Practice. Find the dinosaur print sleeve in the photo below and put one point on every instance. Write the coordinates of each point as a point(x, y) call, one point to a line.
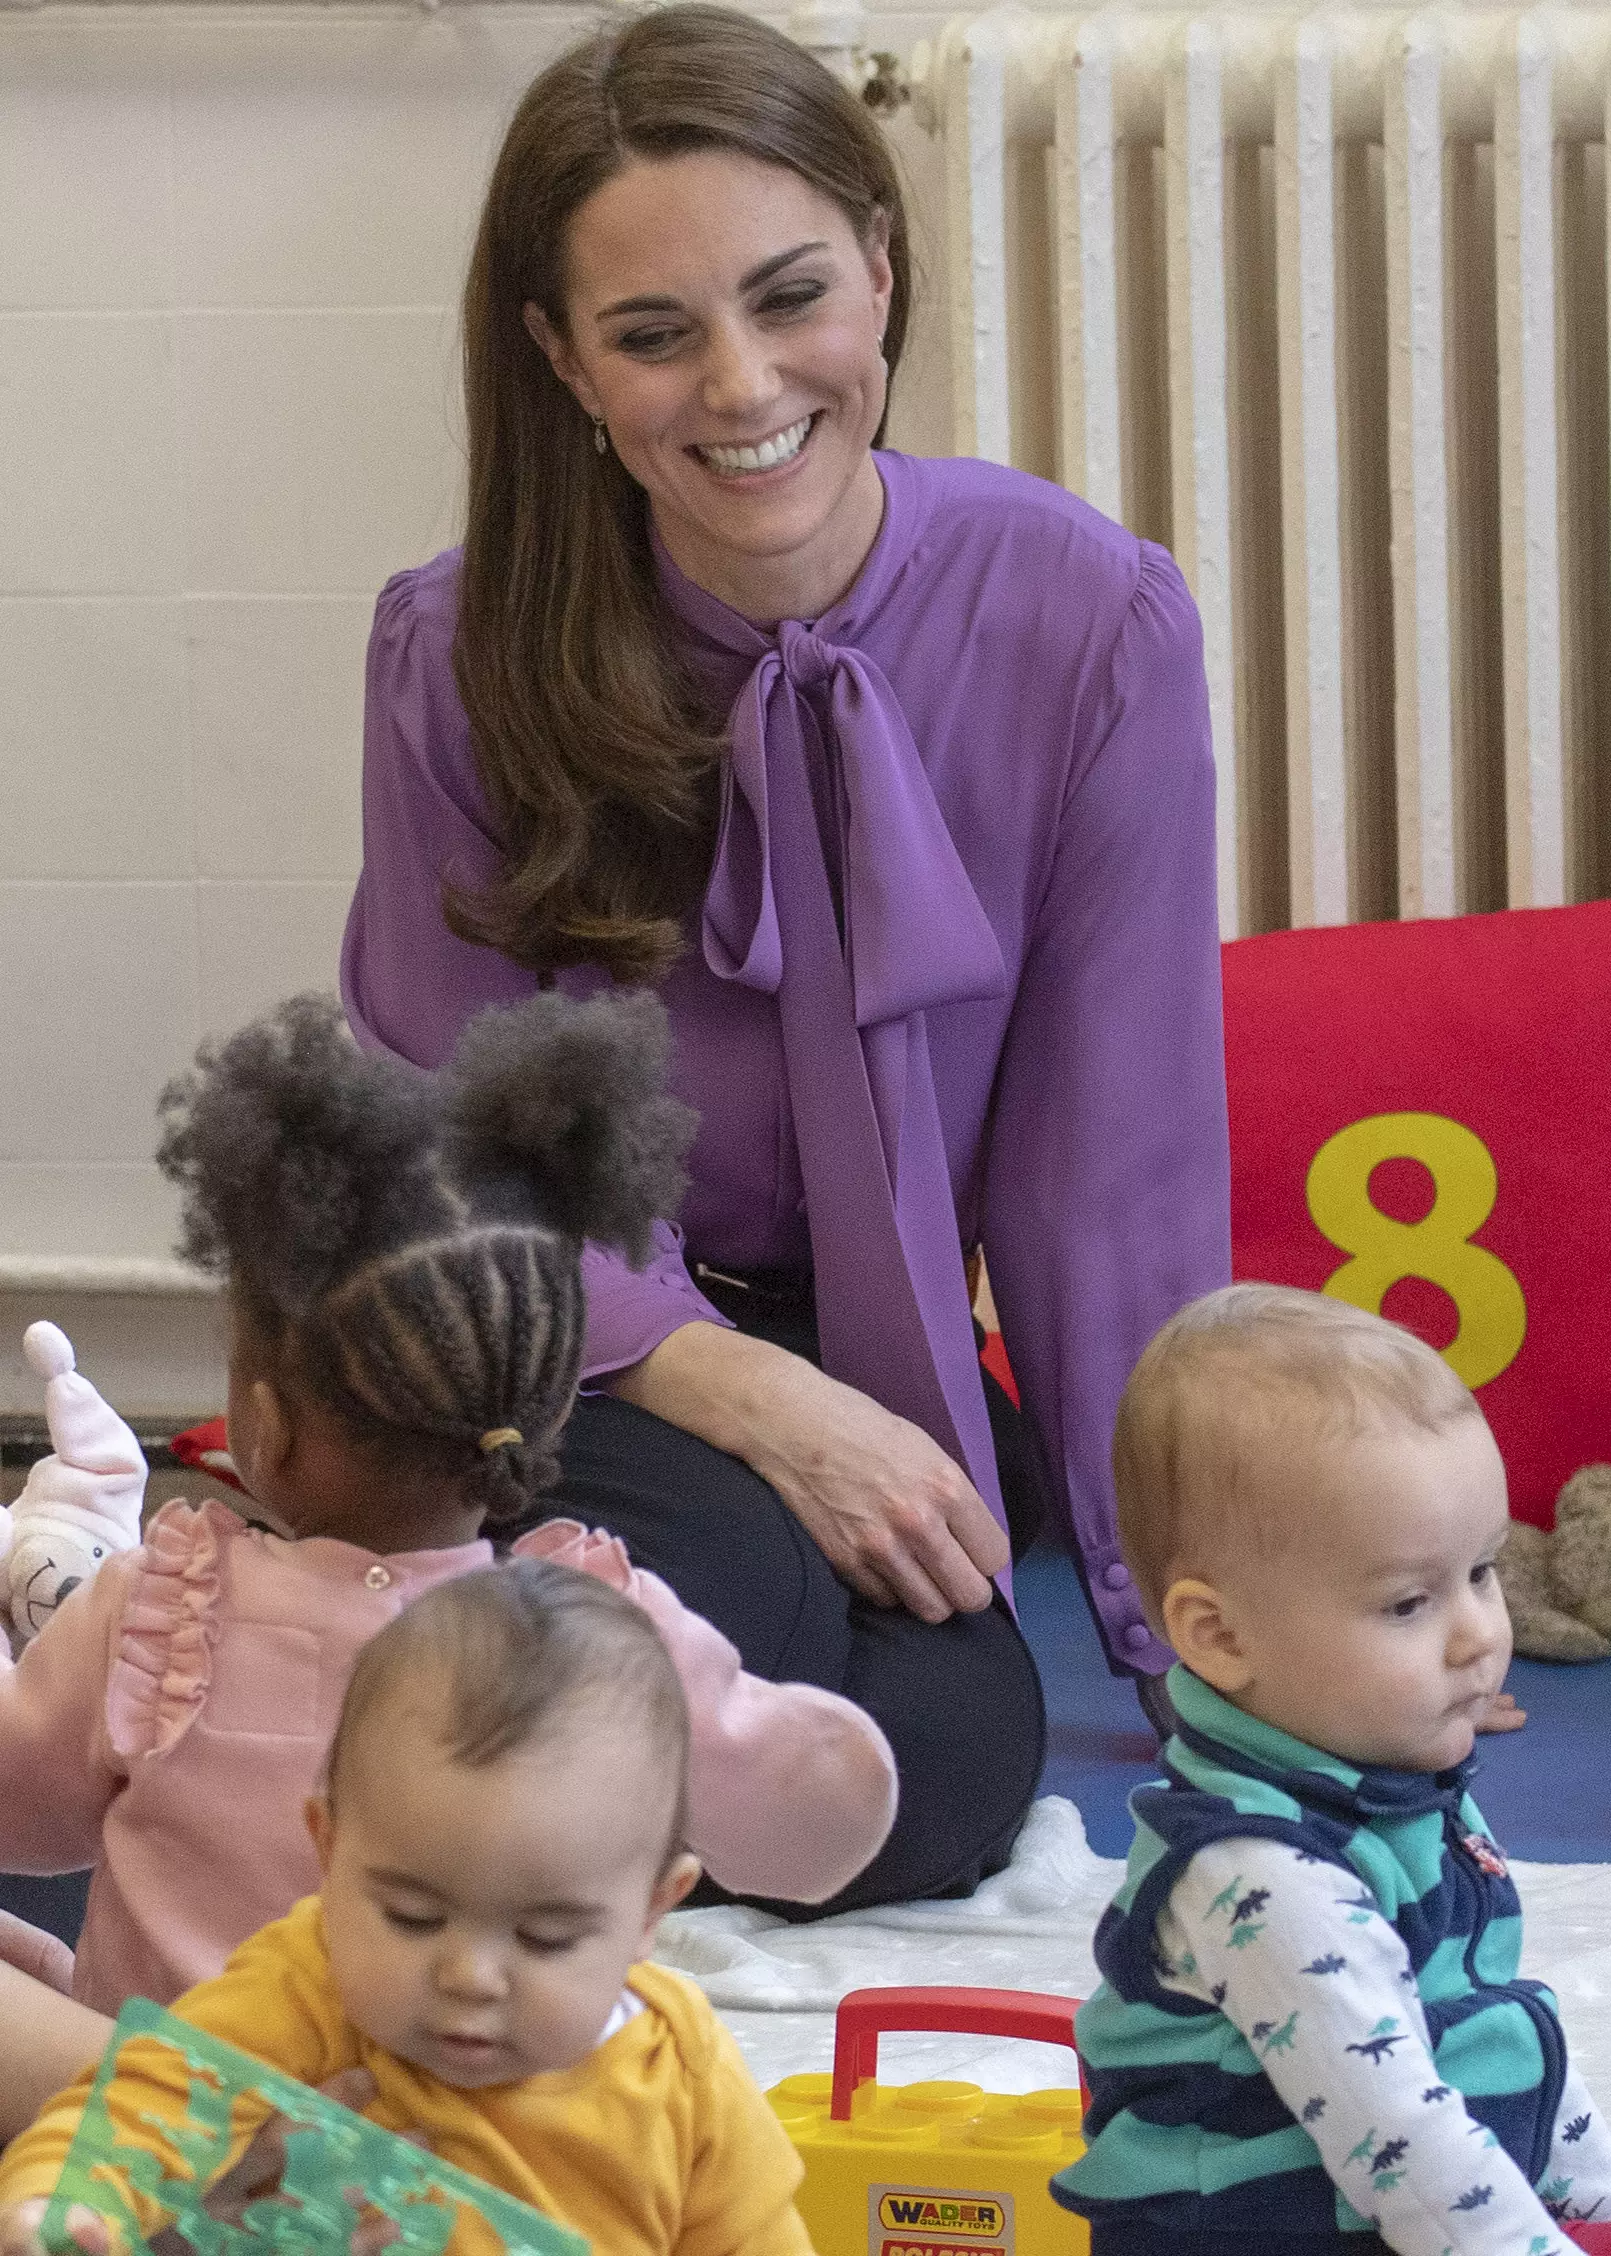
point(1297, 1956)
point(1577, 2180)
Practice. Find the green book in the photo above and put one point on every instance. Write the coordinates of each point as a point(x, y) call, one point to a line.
point(342, 2176)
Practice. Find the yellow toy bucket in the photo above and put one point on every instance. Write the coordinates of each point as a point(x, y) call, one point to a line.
point(935, 2169)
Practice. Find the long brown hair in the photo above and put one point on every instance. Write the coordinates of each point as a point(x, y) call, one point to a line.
point(597, 759)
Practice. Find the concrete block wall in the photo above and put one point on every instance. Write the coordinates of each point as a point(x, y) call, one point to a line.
point(231, 245)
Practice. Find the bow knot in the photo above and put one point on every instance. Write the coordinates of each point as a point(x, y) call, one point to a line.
point(807, 659)
point(915, 934)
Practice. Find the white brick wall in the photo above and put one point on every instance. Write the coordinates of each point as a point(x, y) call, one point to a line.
point(231, 245)
point(227, 270)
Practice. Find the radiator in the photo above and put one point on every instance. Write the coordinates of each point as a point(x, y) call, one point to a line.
point(1320, 302)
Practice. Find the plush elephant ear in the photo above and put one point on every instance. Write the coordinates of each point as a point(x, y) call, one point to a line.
point(1585, 1499)
point(289, 1145)
point(1581, 1553)
point(1543, 1626)
point(570, 1099)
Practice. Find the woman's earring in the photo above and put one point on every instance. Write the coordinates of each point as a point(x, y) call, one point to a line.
point(601, 437)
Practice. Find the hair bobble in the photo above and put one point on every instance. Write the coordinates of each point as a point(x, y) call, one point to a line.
point(501, 1437)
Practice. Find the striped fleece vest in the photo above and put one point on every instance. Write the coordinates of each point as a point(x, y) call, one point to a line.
point(1186, 2132)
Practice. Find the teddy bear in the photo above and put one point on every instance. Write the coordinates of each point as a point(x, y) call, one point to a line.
point(80, 1504)
point(1558, 1587)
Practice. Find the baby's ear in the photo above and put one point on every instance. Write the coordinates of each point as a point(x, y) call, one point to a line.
point(672, 1885)
point(321, 1827)
point(1198, 1625)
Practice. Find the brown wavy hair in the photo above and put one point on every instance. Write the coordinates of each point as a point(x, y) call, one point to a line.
point(597, 759)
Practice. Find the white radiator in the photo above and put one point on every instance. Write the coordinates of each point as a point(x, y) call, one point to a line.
point(1321, 303)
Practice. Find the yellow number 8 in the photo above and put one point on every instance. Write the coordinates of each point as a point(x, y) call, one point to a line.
point(1493, 1313)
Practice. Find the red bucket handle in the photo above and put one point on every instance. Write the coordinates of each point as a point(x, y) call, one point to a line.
point(864, 2014)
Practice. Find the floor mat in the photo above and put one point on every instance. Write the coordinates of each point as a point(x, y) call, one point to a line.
point(1030, 1928)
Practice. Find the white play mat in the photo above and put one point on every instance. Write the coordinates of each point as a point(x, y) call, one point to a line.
point(1030, 1928)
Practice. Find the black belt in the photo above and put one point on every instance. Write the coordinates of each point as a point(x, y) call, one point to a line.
point(785, 1288)
point(734, 1291)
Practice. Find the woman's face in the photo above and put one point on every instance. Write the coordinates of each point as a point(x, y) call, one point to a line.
point(726, 324)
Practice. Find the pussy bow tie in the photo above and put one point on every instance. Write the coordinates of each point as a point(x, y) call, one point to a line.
point(915, 935)
point(892, 1301)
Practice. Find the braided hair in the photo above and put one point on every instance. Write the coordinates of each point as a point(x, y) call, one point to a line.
point(406, 1246)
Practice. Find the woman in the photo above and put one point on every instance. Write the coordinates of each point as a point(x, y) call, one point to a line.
point(894, 778)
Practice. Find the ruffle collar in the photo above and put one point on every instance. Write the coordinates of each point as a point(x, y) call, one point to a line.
point(591, 1551)
point(163, 1664)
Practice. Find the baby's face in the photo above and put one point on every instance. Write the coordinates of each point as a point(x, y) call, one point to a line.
point(481, 1921)
point(1377, 1630)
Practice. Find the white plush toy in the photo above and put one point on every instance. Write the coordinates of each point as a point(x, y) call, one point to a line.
point(80, 1504)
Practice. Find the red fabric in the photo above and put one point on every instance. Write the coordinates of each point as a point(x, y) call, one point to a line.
point(994, 1358)
point(1595, 2238)
point(207, 1448)
point(1501, 1024)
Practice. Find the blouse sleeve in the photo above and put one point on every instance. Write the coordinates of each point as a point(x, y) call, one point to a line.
point(1107, 1191)
point(409, 984)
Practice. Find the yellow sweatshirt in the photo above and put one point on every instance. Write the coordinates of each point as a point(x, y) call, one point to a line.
point(658, 2141)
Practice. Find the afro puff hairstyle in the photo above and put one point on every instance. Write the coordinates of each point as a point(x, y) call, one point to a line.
point(408, 1244)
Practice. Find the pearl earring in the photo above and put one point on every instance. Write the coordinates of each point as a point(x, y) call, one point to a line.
point(601, 437)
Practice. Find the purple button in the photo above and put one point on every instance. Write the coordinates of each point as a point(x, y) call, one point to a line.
point(1137, 1637)
point(1117, 1577)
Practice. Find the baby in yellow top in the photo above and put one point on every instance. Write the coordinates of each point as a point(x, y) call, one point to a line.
point(499, 1833)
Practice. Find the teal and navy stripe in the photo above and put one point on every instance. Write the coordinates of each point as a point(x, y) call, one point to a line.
point(1186, 2131)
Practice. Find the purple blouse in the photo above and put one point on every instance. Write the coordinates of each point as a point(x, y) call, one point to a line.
point(981, 790)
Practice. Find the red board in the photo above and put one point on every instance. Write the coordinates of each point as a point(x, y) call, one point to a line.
point(1456, 1038)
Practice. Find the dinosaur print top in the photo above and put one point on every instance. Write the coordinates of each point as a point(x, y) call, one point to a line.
point(1310, 2019)
point(1309, 1973)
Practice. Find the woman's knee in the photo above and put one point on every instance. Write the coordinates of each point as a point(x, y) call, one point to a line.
point(714, 1530)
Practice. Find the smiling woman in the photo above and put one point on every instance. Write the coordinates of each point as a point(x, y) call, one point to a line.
point(894, 778)
point(705, 238)
point(744, 402)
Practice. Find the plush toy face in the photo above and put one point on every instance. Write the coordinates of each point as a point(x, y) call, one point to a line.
point(50, 1556)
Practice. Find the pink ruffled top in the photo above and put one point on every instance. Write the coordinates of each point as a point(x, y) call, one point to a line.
point(169, 1723)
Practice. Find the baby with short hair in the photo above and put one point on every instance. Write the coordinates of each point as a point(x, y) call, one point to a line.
point(1310, 2033)
point(500, 1829)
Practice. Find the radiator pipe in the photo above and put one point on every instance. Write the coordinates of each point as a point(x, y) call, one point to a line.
point(1143, 42)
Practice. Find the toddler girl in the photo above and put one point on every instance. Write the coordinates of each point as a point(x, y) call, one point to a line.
point(500, 1827)
point(405, 1302)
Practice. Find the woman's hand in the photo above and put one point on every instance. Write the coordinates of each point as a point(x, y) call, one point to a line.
point(20, 2236)
point(260, 2170)
point(1505, 1714)
point(895, 1517)
point(255, 2176)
